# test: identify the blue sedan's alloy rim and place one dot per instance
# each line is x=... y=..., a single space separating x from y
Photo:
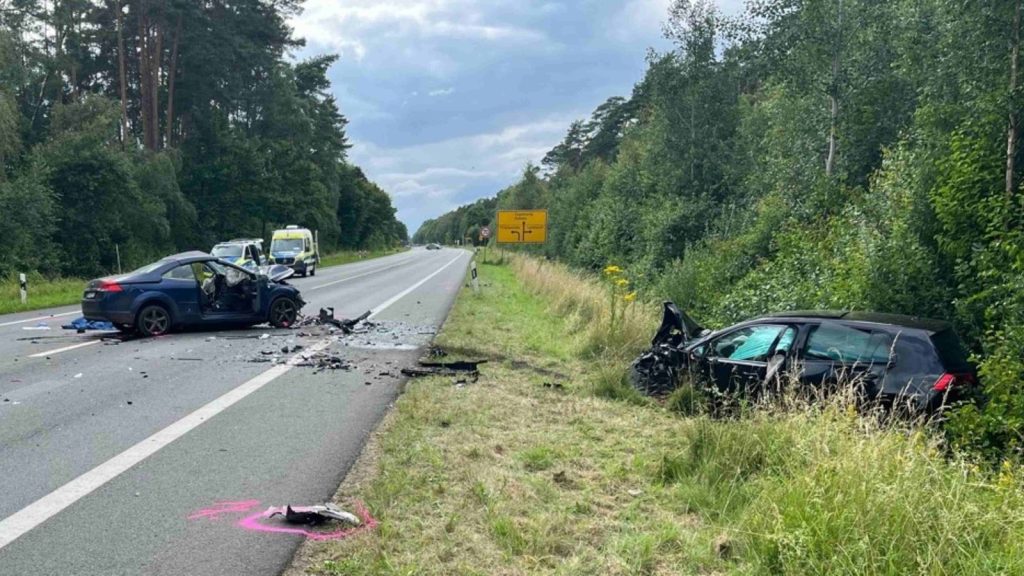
x=283 y=313
x=155 y=320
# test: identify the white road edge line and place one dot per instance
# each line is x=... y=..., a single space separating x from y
x=64 y=349
x=374 y=271
x=18 y=524
x=40 y=318
x=408 y=290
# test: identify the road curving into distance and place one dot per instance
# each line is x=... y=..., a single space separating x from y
x=106 y=449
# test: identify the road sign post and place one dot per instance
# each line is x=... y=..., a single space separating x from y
x=476 y=281
x=23 y=287
x=522 y=226
x=485 y=235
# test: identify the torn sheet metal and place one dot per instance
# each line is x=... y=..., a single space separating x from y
x=656 y=371
x=313 y=515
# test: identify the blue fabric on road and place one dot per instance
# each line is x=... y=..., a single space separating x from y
x=81 y=323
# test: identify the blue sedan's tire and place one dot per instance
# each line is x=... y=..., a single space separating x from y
x=283 y=312
x=153 y=320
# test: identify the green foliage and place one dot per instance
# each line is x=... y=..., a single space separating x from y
x=246 y=141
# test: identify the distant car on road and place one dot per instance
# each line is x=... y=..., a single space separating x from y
x=242 y=252
x=433 y=246
x=193 y=289
x=891 y=358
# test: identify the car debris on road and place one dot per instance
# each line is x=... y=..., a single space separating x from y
x=464 y=370
x=313 y=515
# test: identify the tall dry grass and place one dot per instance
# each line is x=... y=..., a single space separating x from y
x=585 y=305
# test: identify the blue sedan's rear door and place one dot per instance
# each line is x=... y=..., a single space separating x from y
x=180 y=285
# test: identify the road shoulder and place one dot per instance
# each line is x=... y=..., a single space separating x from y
x=523 y=471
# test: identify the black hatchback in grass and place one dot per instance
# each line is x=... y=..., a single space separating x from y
x=904 y=361
x=193 y=289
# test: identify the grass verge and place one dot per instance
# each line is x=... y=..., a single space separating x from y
x=42 y=293
x=541 y=468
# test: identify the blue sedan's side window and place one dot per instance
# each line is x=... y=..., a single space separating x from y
x=183 y=272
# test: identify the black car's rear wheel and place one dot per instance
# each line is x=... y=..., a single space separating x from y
x=283 y=312
x=153 y=320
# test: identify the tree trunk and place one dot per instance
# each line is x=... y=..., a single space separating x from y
x=121 y=74
x=145 y=86
x=833 y=97
x=1011 y=130
x=171 y=73
x=155 y=90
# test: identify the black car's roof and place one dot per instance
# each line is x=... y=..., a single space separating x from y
x=872 y=317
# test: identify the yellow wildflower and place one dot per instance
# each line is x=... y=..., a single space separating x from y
x=630 y=297
x=622 y=282
x=612 y=270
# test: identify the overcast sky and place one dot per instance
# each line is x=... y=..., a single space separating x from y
x=449 y=99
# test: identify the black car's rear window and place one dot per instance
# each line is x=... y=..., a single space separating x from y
x=906 y=352
x=951 y=351
x=841 y=343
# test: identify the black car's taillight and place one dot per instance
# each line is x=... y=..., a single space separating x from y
x=950 y=379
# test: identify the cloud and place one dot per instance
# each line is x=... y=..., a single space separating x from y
x=345 y=25
x=524 y=69
x=424 y=178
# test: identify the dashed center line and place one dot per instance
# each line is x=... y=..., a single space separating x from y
x=64 y=349
x=40 y=318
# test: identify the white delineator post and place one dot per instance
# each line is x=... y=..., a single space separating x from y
x=476 y=281
x=23 y=287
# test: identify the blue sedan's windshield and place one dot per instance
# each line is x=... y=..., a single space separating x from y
x=286 y=245
x=227 y=251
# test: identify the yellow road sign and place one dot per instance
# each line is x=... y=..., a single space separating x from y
x=522 y=226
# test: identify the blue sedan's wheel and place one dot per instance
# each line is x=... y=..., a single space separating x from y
x=283 y=312
x=153 y=320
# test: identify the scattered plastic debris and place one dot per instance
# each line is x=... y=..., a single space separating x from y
x=459 y=368
x=79 y=375
x=314 y=515
x=40 y=326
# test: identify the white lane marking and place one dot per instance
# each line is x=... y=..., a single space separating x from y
x=31 y=516
x=64 y=349
x=408 y=290
x=346 y=279
x=40 y=318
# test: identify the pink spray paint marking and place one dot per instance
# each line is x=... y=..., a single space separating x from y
x=220 y=508
x=253 y=524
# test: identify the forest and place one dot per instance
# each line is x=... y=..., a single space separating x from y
x=811 y=154
x=146 y=127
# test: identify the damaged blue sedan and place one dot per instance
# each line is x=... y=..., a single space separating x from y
x=193 y=289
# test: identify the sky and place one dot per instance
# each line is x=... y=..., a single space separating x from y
x=448 y=100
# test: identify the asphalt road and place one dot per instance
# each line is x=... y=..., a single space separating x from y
x=107 y=449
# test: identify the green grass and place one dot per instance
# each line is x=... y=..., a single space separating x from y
x=515 y=475
x=349 y=256
x=42 y=293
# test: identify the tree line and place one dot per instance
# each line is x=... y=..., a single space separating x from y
x=153 y=126
x=858 y=154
